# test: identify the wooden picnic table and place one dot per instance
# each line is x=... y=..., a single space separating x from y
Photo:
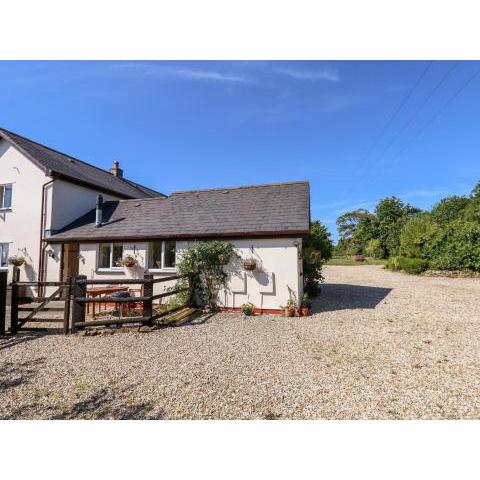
x=100 y=292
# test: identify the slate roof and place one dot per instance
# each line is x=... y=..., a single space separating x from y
x=58 y=164
x=263 y=210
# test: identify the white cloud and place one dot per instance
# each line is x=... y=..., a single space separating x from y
x=328 y=74
x=149 y=70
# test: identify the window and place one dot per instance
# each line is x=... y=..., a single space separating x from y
x=5 y=196
x=3 y=255
x=110 y=256
x=162 y=255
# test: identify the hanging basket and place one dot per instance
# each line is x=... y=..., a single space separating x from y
x=17 y=261
x=250 y=264
x=129 y=261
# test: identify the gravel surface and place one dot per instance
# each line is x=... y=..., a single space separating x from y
x=381 y=345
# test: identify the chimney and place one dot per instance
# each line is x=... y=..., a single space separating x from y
x=99 y=211
x=116 y=170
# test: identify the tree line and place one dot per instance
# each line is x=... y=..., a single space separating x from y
x=445 y=238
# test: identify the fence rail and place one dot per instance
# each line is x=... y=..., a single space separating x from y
x=74 y=294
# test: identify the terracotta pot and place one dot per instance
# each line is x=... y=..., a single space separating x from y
x=305 y=311
x=285 y=312
x=291 y=312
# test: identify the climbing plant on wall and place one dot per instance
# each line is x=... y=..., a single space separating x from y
x=205 y=263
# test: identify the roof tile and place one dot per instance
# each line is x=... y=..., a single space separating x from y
x=273 y=209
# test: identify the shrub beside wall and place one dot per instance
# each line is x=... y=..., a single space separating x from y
x=409 y=265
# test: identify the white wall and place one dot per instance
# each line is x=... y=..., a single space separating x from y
x=20 y=227
x=270 y=286
x=70 y=202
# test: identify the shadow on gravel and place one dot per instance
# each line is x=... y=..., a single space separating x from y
x=15 y=374
x=102 y=404
x=107 y=404
x=7 y=342
x=335 y=296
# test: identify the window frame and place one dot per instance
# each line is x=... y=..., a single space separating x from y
x=2 y=244
x=111 y=268
x=4 y=186
x=162 y=269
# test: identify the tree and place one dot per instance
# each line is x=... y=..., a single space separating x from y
x=456 y=247
x=374 y=248
x=416 y=236
x=317 y=248
x=391 y=214
x=449 y=209
x=355 y=229
x=476 y=190
x=319 y=239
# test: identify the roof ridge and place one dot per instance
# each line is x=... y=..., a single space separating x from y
x=52 y=149
x=126 y=180
x=303 y=182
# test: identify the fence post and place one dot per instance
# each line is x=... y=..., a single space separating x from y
x=66 y=312
x=3 y=301
x=148 y=292
x=14 y=302
x=79 y=290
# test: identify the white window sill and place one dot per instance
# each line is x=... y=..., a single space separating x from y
x=162 y=270
x=111 y=270
x=3 y=269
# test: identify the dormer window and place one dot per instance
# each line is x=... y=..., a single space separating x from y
x=5 y=196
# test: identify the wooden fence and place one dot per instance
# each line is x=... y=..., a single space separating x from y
x=80 y=300
x=74 y=294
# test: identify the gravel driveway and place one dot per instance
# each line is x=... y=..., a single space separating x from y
x=381 y=345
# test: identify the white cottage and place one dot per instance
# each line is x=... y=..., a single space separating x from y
x=263 y=222
x=48 y=216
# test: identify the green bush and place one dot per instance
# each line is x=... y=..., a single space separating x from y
x=410 y=265
x=456 y=247
x=374 y=248
x=414 y=265
x=417 y=234
x=312 y=271
x=205 y=264
x=449 y=209
x=319 y=239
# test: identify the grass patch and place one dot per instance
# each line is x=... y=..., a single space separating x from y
x=351 y=261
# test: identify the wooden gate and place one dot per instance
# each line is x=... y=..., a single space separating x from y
x=27 y=312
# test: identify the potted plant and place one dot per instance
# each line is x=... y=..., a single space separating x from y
x=250 y=264
x=305 y=305
x=129 y=261
x=290 y=307
x=248 y=309
x=17 y=260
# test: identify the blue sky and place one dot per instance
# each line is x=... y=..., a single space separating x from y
x=359 y=131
